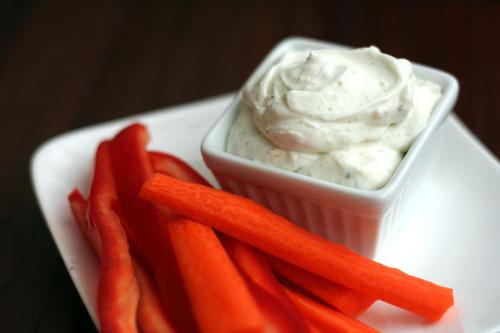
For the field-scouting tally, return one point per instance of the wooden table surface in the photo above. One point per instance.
(67, 64)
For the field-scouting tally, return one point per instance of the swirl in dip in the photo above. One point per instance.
(342, 116)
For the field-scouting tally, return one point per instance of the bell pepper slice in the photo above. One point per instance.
(118, 292)
(173, 166)
(151, 317)
(79, 208)
(146, 226)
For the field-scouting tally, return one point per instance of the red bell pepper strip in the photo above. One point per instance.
(173, 166)
(280, 313)
(146, 226)
(343, 299)
(79, 206)
(118, 292)
(313, 329)
(150, 313)
(151, 317)
(247, 221)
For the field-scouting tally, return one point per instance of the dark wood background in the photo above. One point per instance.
(66, 64)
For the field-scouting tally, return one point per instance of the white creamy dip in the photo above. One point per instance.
(342, 116)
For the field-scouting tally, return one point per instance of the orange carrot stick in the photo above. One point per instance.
(220, 298)
(343, 299)
(325, 319)
(227, 305)
(278, 311)
(247, 221)
(195, 277)
(193, 261)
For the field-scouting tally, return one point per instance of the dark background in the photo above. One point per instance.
(66, 64)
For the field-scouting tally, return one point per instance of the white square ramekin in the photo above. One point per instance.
(360, 219)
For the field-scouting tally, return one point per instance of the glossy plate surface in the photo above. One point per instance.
(452, 235)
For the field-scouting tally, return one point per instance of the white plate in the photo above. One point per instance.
(452, 238)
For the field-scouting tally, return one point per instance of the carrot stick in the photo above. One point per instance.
(118, 292)
(343, 299)
(247, 221)
(203, 261)
(279, 312)
(233, 307)
(325, 319)
(220, 298)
